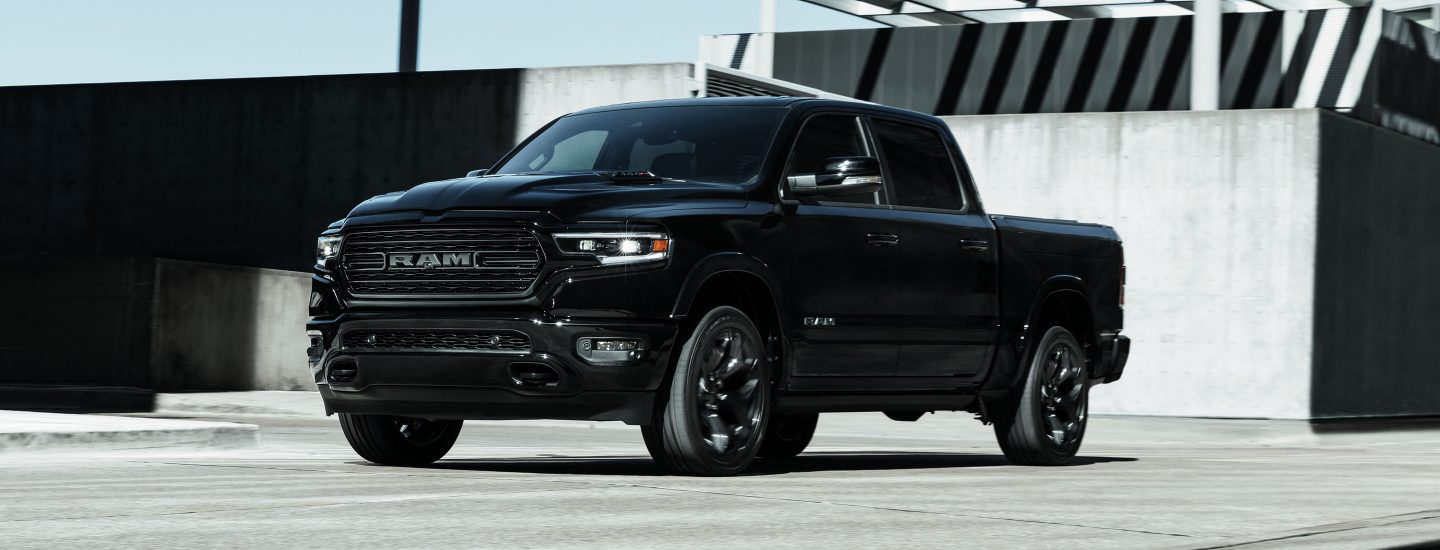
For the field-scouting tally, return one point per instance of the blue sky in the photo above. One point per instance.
(67, 41)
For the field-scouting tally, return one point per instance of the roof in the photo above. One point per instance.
(743, 101)
(762, 102)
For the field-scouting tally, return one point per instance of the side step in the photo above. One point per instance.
(891, 402)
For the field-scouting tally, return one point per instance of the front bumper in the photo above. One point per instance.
(550, 379)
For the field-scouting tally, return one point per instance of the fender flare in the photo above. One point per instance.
(724, 262)
(1056, 285)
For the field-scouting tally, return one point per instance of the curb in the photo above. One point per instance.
(30, 432)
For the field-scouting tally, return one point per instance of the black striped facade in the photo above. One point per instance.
(1086, 65)
(1402, 90)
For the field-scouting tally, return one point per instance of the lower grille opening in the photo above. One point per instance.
(437, 340)
(534, 375)
(343, 371)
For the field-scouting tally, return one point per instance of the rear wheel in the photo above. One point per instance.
(787, 435)
(1043, 423)
(399, 440)
(718, 400)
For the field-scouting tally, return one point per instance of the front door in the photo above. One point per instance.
(947, 256)
(843, 264)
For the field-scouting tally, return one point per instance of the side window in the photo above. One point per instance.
(920, 169)
(823, 138)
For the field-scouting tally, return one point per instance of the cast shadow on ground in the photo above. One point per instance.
(807, 462)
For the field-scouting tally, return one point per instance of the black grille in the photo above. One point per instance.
(483, 262)
(430, 340)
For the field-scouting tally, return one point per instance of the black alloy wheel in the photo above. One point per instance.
(714, 414)
(1044, 423)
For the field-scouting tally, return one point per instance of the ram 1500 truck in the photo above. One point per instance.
(717, 271)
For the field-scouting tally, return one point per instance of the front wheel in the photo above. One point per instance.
(399, 440)
(715, 410)
(1044, 422)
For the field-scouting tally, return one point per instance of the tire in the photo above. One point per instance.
(787, 435)
(399, 440)
(1043, 423)
(712, 416)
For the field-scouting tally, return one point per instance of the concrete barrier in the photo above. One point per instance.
(148, 323)
(1233, 312)
(218, 327)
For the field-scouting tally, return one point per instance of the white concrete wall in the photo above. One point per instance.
(550, 92)
(1217, 211)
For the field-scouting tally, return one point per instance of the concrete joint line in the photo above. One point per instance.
(1383, 521)
(911, 511)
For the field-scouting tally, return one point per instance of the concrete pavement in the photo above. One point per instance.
(866, 482)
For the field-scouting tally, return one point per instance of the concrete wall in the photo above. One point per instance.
(1377, 296)
(162, 325)
(1218, 214)
(550, 92)
(240, 171)
(248, 171)
(75, 321)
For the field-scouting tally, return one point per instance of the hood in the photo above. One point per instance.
(567, 196)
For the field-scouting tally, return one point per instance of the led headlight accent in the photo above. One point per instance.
(327, 247)
(616, 248)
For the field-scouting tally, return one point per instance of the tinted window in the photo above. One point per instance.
(719, 144)
(823, 138)
(920, 170)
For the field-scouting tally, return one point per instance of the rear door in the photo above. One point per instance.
(843, 265)
(947, 255)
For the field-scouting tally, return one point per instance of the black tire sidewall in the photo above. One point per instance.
(1031, 397)
(375, 438)
(1019, 423)
(678, 420)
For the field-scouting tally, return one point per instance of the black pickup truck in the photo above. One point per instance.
(717, 271)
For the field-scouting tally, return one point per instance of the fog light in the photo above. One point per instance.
(614, 345)
(609, 350)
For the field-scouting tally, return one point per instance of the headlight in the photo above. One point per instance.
(327, 247)
(616, 248)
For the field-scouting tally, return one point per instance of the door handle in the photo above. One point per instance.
(975, 245)
(882, 239)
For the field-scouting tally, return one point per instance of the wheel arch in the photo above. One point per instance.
(737, 280)
(1062, 301)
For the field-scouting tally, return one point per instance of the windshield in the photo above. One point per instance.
(719, 144)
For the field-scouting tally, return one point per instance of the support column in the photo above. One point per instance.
(764, 42)
(1205, 56)
(409, 35)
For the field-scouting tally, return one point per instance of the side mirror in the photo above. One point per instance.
(842, 176)
(476, 173)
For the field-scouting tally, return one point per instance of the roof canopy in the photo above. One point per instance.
(914, 13)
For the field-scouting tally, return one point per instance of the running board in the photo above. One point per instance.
(803, 403)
